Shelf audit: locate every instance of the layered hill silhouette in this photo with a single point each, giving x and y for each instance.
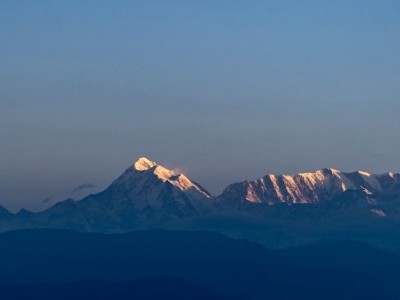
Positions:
(153, 264)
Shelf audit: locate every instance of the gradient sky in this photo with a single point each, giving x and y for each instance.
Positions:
(223, 90)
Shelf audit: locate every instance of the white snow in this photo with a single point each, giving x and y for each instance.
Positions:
(252, 195)
(163, 173)
(366, 191)
(143, 164)
(309, 187)
(179, 180)
(370, 180)
(364, 173)
(378, 212)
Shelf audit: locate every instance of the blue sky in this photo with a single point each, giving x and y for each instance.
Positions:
(224, 90)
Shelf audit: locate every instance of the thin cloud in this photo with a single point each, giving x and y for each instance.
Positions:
(47, 200)
(82, 187)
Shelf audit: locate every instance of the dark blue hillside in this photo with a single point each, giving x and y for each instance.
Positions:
(157, 288)
(42, 261)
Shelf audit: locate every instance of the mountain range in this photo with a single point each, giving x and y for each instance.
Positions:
(148, 195)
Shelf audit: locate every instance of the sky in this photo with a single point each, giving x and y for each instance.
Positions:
(222, 90)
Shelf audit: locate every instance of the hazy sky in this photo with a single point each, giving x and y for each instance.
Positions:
(224, 90)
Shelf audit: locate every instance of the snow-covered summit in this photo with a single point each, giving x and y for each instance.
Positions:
(309, 187)
(146, 168)
(143, 164)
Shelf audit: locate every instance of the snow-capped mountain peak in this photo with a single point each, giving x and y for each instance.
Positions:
(309, 187)
(146, 181)
(143, 164)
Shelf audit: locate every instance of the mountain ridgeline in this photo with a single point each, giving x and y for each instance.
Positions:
(148, 195)
(305, 188)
